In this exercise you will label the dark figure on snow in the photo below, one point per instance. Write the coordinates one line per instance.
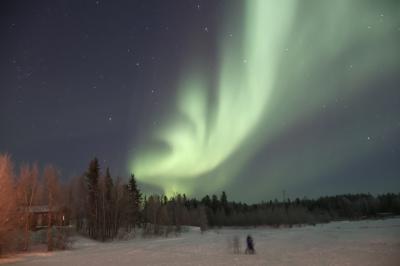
(250, 245)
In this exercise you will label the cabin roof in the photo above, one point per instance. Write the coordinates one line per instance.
(42, 209)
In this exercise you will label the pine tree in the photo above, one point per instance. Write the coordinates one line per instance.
(206, 201)
(92, 184)
(214, 203)
(107, 204)
(224, 203)
(108, 185)
(135, 200)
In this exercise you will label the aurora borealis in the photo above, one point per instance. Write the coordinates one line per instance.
(199, 142)
(250, 97)
(272, 78)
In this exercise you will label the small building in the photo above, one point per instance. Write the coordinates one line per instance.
(39, 216)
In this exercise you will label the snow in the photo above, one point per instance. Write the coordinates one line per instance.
(372, 242)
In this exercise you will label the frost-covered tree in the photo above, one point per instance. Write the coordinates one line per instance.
(7, 202)
(26, 195)
(53, 188)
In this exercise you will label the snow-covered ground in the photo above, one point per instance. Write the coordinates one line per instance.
(374, 242)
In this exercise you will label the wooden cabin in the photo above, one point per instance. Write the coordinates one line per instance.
(39, 216)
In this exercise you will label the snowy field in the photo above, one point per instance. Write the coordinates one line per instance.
(340, 243)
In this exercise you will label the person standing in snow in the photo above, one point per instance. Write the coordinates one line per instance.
(250, 245)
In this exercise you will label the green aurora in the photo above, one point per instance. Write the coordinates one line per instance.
(288, 62)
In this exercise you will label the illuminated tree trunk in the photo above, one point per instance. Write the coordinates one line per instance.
(49, 234)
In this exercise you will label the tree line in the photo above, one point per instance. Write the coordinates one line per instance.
(105, 207)
(289, 212)
(122, 206)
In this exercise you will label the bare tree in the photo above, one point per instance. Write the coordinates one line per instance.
(106, 187)
(7, 202)
(120, 199)
(77, 201)
(26, 193)
(151, 211)
(53, 199)
(202, 218)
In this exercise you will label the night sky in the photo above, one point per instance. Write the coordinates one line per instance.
(250, 97)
